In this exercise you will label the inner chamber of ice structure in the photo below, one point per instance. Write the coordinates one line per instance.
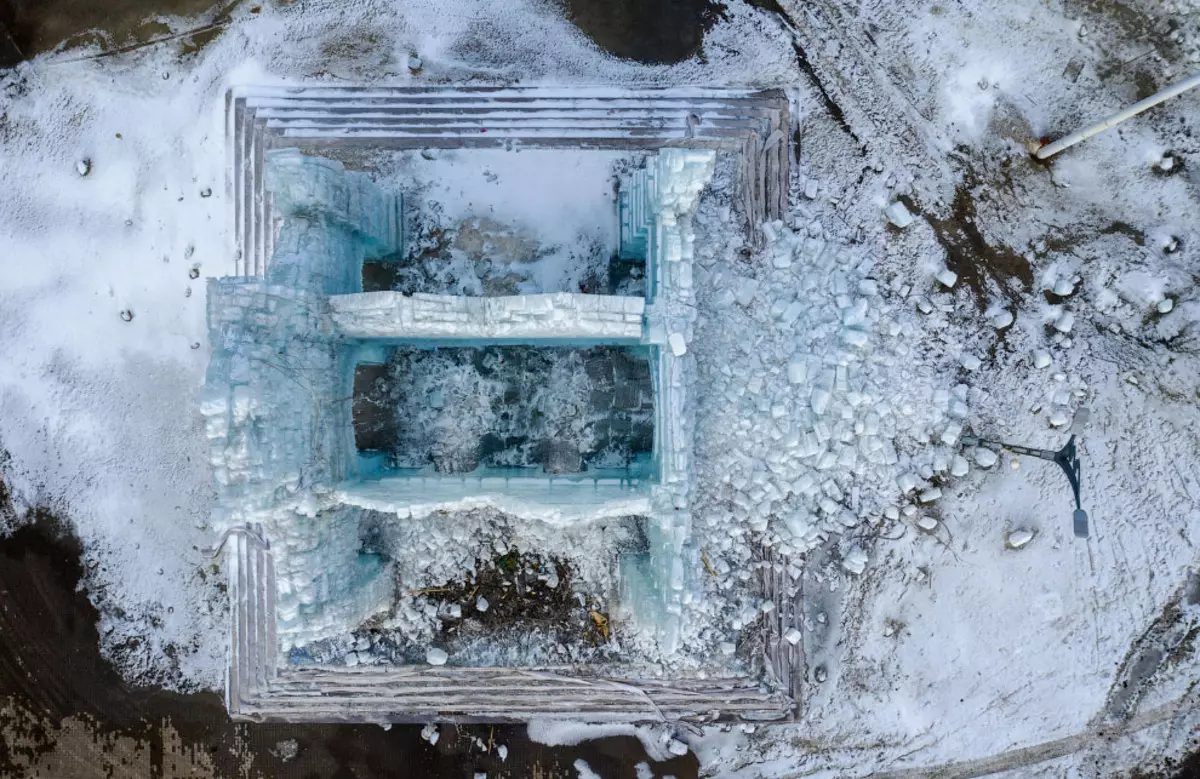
(325, 404)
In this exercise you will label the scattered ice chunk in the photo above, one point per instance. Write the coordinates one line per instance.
(436, 656)
(797, 370)
(898, 215)
(782, 259)
(1165, 305)
(677, 344)
(767, 606)
(1059, 418)
(947, 277)
(1063, 288)
(819, 400)
(793, 636)
(1002, 320)
(970, 361)
(727, 647)
(430, 733)
(959, 467)
(83, 167)
(928, 524)
(931, 494)
(892, 513)
(810, 189)
(855, 338)
(1041, 358)
(855, 561)
(746, 291)
(906, 482)
(481, 603)
(1019, 538)
(502, 751)
(986, 458)
(951, 433)
(1065, 322)
(454, 610)
(677, 747)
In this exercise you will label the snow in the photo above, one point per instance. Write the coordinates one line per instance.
(834, 322)
(584, 771)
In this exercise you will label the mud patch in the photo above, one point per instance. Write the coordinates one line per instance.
(654, 32)
(971, 257)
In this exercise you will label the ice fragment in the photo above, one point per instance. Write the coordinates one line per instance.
(898, 215)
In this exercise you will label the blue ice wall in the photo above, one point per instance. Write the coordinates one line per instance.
(333, 220)
(274, 405)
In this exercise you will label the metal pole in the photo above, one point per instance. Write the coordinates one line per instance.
(1050, 149)
(1066, 458)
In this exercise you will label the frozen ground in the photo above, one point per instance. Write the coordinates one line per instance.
(834, 364)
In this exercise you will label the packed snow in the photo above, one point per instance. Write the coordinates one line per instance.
(947, 616)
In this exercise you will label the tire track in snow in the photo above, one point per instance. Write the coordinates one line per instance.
(1039, 753)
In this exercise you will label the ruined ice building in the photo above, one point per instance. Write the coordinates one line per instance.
(343, 409)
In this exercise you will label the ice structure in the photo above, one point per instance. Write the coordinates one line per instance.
(285, 350)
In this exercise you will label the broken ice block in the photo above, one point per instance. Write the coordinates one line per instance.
(855, 561)
(436, 656)
(677, 344)
(897, 213)
(986, 458)
(947, 277)
(1041, 358)
(928, 524)
(1019, 538)
(793, 636)
(797, 370)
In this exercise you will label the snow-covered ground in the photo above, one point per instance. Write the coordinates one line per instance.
(838, 364)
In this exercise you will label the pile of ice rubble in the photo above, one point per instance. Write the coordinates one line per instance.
(823, 409)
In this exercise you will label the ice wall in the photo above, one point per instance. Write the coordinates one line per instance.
(273, 404)
(392, 315)
(333, 219)
(655, 584)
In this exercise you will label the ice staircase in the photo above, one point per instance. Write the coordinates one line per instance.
(261, 688)
(635, 215)
(754, 125)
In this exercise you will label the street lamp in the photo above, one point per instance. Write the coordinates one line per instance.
(1066, 458)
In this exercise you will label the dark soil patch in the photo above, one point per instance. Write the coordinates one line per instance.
(68, 714)
(1124, 228)
(523, 591)
(39, 26)
(656, 32)
(970, 256)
